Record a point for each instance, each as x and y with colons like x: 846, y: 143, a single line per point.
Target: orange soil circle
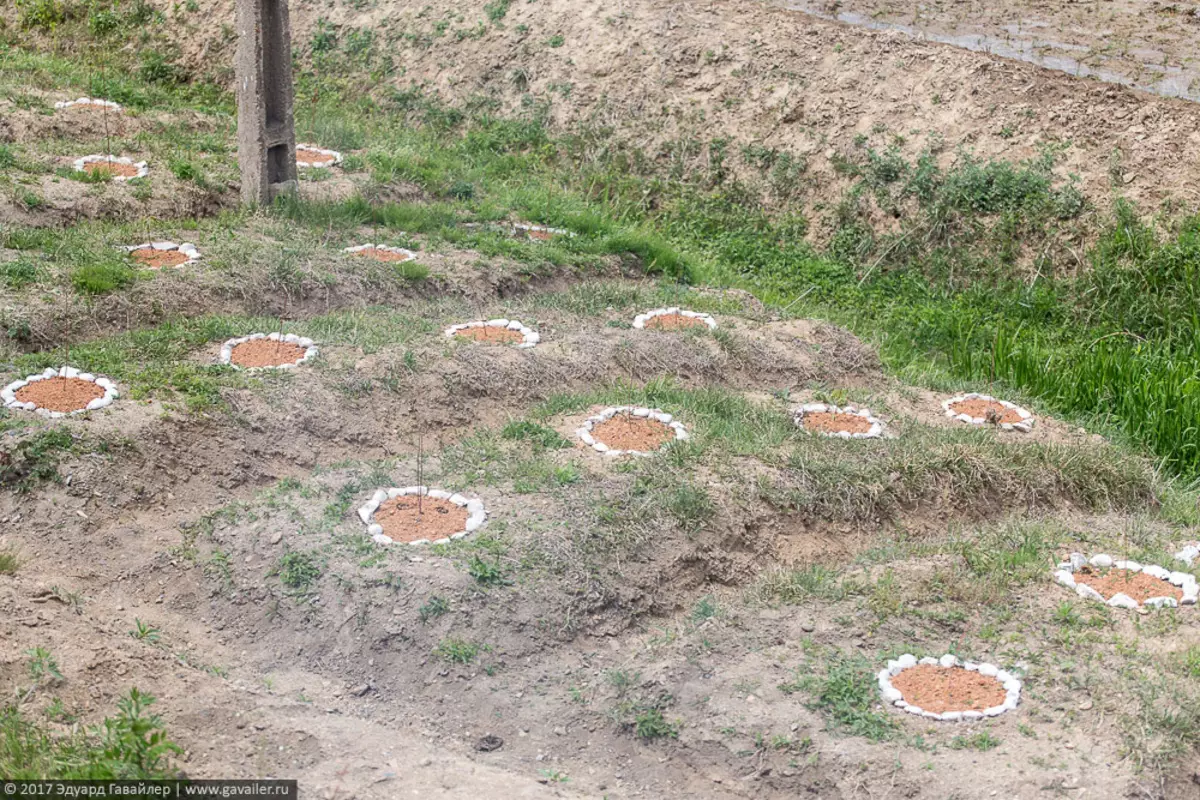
x: 674, y: 322
x: 410, y: 518
x: 835, y: 422
x: 266, y: 353
x: 157, y: 259
x: 938, y: 689
x: 542, y: 236
x: 313, y: 157
x: 490, y: 334
x: 627, y: 432
x: 60, y: 394
x: 114, y: 168
x: 974, y: 407
x: 1137, y: 585
x: 383, y: 255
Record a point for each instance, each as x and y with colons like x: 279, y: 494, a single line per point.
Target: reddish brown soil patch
x: 981, y: 408
x: 490, y: 334
x: 1138, y: 585
x: 403, y: 519
x: 60, y: 394
x: 543, y: 236
x: 157, y: 259
x: 114, y: 168
x: 265, y: 353
x: 627, y: 432
x: 831, y: 422
x: 383, y: 255
x: 940, y: 689
x: 674, y: 322
x: 313, y: 157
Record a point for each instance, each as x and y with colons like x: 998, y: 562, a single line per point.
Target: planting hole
x: 1126, y: 584
x: 56, y: 392
x: 410, y: 518
x: 948, y: 689
x: 627, y: 432
x: 150, y: 258
x: 939, y: 689
x: 495, y: 332
x: 982, y: 409
x: 268, y: 351
x: 539, y: 233
x: 844, y: 423
x: 113, y: 168
x: 64, y: 395
x: 380, y: 252
x: 489, y: 334
x: 419, y: 515
x: 1138, y: 585
x: 673, y: 319
x: 308, y: 155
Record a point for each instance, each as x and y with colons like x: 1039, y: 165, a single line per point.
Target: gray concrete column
x: 266, y: 130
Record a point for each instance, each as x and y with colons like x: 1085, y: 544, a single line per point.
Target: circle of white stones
x: 409, y: 255
x: 1025, y: 425
x: 88, y: 101
x: 187, y: 248
x: 9, y: 392
x: 524, y: 228
x: 892, y: 696
x: 875, y: 432
x: 640, y: 320
x: 310, y: 349
x: 529, y: 337
x: 1189, y: 553
x: 1065, y: 575
x: 143, y: 169
x: 476, y: 514
x: 334, y: 157
x: 585, y: 431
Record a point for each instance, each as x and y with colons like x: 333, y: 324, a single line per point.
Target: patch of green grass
x: 35, y: 459
x: 539, y: 435
x: 9, y: 562
x: 131, y: 745
x: 457, y: 651
x: 982, y: 741
x: 487, y: 572
x: 298, y: 570
x: 846, y: 692
x: 103, y: 277
x: 798, y: 585
x: 650, y: 724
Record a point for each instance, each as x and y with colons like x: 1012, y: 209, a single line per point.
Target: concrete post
x: 266, y: 130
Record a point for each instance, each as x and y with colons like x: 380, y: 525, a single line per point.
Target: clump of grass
x: 982, y: 741
x: 102, y: 277
x: 9, y: 561
x: 539, y: 435
x: 650, y: 724
x: 298, y: 570
x: 813, y: 581
x: 846, y: 692
x: 457, y: 651
x: 433, y: 608
x: 34, y: 460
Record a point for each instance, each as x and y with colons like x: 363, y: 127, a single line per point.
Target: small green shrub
x: 496, y: 9
x: 434, y: 607
x: 650, y: 724
x: 35, y: 459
